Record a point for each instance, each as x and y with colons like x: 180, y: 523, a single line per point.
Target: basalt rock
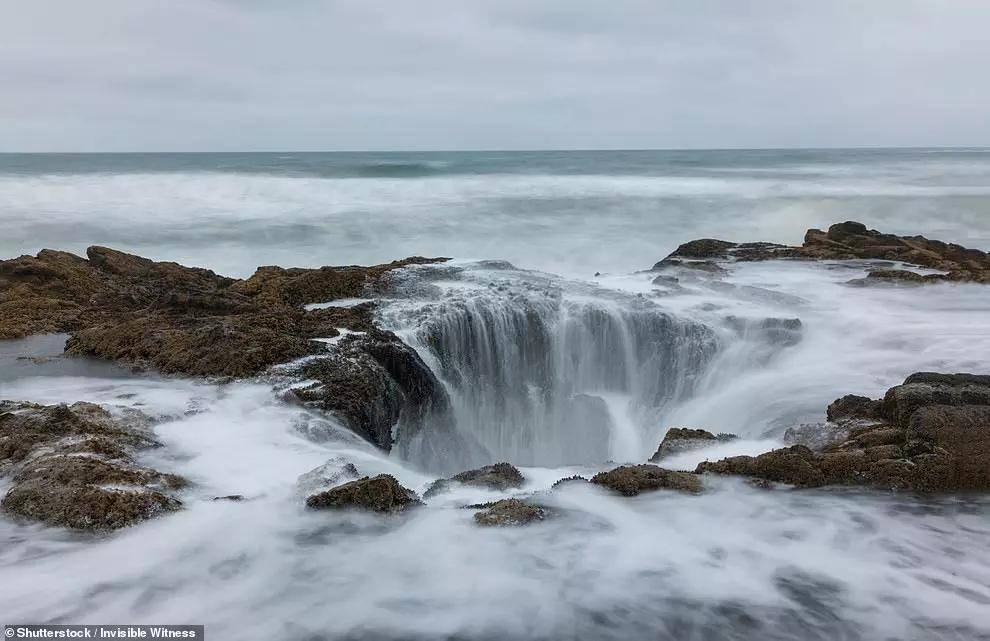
x: 182, y: 320
x: 854, y: 241
x: 575, y: 480
x: 681, y: 439
x: 498, y: 477
x: 930, y: 434
x: 511, y: 512
x: 381, y: 493
x: 73, y: 466
x: 373, y: 382
x: 630, y: 480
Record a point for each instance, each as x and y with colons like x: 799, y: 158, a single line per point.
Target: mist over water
x: 547, y: 366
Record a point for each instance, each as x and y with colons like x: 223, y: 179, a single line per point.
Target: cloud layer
x: 165, y: 75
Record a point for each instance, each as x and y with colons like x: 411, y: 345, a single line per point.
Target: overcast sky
x: 172, y: 75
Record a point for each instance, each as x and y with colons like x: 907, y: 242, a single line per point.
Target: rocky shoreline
x: 75, y: 466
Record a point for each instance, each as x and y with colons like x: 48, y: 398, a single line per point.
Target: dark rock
x: 373, y: 382
x: 682, y: 439
x: 73, y: 466
x: 630, y: 480
x: 181, y: 320
x: 501, y: 477
x: 439, y: 486
x: 924, y: 388
x: 87, y: 493
x: 854, y: 241
x: 852, y: 406
x: 230, y: 497
x: 381, y: 493
x: 511, y: 512
x: 930, y: 434
x: 569, y: 480
x: 794, y: 465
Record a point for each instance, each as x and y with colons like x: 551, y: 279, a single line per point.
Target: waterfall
x: 542, y: 374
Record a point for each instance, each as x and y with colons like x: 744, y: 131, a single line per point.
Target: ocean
x: 547, y: 299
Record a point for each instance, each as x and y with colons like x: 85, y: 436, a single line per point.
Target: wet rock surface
x: 853, y: 241
x: 499, y: 477
x: 929, y: 434
x: 73, y: 466
x: 682, y: 439
x: 630, y: 480
x: 381, y: 493
x: 177, y: 319
x: 511, y: 512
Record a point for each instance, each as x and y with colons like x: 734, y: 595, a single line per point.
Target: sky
x: 242, y: 75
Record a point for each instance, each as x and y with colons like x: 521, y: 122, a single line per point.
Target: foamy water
x: 734, y: 563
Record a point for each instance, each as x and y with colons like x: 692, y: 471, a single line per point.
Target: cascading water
x: 547, y: 372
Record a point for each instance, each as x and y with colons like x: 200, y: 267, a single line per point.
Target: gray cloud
x: 451, y: 74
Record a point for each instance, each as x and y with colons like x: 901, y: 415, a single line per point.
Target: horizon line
x: 532, y: 150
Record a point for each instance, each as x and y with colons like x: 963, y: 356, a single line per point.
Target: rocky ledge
x: 845, y: 241
x: 929, y: 434
x: 74, y: 466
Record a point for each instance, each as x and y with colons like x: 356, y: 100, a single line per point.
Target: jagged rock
x: 511, y: 512
x: 230, y: 497
x: 927, y: 388
x: 499, y: 477
x: 374, y: 381
x: 930, y: 434
x: 630, y: 480
x: 73, y: 466
x: 569, y: 480
x: 181, y: 320
x: 854, y: 241
x: 682, y: 439
x: 852, y: 406
x: 381, y: 493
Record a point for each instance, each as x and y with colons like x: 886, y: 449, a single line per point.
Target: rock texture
x: 73, y: 466
x: 181, y: 320
x: 498, y: 477
x: 929, y: 434
x: 511, y: 512
x: 630, y: 480
x: 682, y: 439
x: 851, y: 241
x: 381, y: 493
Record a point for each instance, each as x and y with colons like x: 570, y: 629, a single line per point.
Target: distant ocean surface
x: 571, y: 213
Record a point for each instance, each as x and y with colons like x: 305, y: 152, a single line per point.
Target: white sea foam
x: 734, y: 563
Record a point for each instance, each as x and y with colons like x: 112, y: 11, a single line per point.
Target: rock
x: 681, y: 439
x: 630, y: 480
x: 854, y: 241
x: 499, y: 477
x: 381, y: 493
x: 568, y: 481
x: 439, y: 486
x: 72, y: 466
x: 795, y: 465
x: 375, y: 381
x: 511, y: 512
x: 87, y: 493
x: 930, y: 434
x: 926, y: 388
x: 182, y: 320
x: 892, y: 277
x: 231, y: 497
x: 853, y: 407
x: 962, y: 434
